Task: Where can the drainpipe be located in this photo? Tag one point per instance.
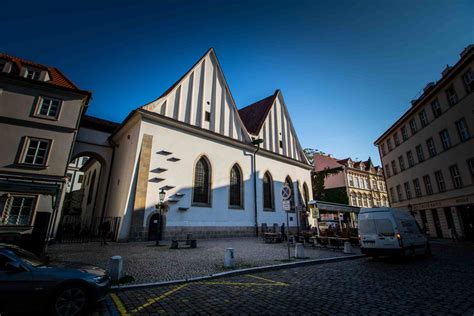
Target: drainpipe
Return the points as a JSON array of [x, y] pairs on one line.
[[255, 142]]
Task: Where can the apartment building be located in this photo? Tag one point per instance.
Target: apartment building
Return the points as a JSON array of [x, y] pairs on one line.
[[357, 183], [40, 111], [428, 153]]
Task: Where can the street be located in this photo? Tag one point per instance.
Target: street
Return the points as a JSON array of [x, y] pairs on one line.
[[441, 284]]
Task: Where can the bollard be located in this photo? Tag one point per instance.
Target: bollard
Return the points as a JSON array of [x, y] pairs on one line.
[[116, 268], [299, 251], [347, 247], [229, 258]]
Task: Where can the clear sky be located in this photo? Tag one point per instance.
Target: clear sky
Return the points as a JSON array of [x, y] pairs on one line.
[[347, 69]]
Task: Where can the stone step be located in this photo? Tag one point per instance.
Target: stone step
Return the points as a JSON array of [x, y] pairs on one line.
[[159, 170], [164, 153], [173, 159]]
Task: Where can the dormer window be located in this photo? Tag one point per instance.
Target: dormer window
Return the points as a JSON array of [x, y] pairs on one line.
[[31, 73], [48, 107]]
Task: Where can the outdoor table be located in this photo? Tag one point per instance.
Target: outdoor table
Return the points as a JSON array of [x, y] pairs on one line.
[[336, 242], [272, 237], [354, 241]]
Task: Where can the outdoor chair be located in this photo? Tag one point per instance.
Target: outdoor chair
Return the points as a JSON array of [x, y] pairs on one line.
[[276, 228]]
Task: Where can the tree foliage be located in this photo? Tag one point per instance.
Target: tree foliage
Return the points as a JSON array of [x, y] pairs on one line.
[[310, 152], [317, 181]]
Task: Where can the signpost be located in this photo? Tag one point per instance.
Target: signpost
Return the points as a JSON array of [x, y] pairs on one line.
[[286, 195]]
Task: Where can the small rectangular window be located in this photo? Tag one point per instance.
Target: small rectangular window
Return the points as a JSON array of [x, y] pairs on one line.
[[431, 147], [281, 144], [399, 193], [17, 210], [445, 139], [389, 144], [436, 108], [468, 79], [420, 154], [411, 161], [440, 181], [392, 195], [455, 176], [407, 190], [35, 151], [32, 74], [470, 164], [413, 126], [387, 171], [80, 179], [452, 96], [423, 118], [428, 186], [401, 162], [404, 133], [463, 132], [396, 139], [394, 167], [48, 107], [416, 185], [207, 116]]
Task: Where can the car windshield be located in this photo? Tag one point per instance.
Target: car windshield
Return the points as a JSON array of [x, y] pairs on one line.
[[28, 257]]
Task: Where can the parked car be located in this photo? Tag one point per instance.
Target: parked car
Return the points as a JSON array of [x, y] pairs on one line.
[[390, 232], [28, 283]]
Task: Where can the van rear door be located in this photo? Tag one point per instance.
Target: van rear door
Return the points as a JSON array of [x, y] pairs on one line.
[[377, 230]]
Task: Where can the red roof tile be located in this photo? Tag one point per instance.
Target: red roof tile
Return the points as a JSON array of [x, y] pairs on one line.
[[255, 114], [56, 77], [322, 162]]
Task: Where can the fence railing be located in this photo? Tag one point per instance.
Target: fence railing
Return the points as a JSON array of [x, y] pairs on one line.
[[80, 229]]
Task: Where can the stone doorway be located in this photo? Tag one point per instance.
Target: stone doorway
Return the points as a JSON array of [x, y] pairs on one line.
[[155, 227]]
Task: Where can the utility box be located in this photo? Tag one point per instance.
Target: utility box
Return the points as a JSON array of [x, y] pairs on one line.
[[229, 258], [116, 268]]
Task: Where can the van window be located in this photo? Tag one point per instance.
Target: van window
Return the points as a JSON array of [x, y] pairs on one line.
[[384, 227], [366, 226], [410, 227]]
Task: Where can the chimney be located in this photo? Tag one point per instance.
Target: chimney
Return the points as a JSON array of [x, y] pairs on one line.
[[446, 70], [428, 86], [466, 49]]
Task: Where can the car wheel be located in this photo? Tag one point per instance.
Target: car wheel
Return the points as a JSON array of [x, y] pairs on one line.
[[70, 300]]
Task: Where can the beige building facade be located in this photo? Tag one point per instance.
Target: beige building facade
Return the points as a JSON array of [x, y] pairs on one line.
[[428, 154], [360, 182], [40, 111]]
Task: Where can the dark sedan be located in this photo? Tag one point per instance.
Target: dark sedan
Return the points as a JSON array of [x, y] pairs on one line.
[[28, 283]]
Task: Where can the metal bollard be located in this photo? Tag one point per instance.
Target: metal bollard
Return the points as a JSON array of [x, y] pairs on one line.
[[347, 247], [116, 268], [229, 258], [299, 251]]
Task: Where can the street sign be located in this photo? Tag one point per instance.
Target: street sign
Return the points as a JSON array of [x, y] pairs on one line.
[[286, 192], [286, 205]]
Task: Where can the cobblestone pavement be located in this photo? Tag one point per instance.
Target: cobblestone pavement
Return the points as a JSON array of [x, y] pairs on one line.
[[441, 284], [147, 263]]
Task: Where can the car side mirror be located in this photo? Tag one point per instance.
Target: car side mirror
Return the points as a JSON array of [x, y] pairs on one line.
[[14, 266]]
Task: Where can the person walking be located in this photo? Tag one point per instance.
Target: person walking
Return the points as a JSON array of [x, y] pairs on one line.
[[104, 232]]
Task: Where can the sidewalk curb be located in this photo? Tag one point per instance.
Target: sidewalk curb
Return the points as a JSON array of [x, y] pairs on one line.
[[239, 271]]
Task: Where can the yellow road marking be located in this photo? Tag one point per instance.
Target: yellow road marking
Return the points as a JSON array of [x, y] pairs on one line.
[[152, 301], [268, 280], [244, 283], [118, 304]]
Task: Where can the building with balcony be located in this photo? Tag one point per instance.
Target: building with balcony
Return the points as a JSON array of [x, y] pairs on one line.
[[428, 153], [357, 183]]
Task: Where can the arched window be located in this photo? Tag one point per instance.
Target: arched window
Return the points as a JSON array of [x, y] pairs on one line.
[[359, 199], [202, 182], [289, 183], [354, 199], [235, 187], [268, 192]]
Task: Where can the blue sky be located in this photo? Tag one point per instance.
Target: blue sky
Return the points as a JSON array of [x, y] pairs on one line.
[[347, 69]]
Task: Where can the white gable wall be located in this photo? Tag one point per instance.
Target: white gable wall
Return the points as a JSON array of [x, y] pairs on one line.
[[202, 89]]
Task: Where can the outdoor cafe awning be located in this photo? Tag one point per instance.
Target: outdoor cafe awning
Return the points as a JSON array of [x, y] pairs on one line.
[[335, 207]]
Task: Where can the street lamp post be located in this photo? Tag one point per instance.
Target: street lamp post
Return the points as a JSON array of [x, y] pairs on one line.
[[257, 142], [161, 195]]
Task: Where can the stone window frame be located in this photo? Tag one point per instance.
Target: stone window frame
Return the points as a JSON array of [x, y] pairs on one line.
[[237, 167], [26, 146], [7, 205], [39, 104]]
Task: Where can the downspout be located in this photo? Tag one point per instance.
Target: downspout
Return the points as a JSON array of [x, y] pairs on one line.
[[255, 189]]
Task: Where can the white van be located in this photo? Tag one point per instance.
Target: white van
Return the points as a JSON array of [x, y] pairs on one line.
[[389, 231]]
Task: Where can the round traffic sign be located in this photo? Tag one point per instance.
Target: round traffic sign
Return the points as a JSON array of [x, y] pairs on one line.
[[286, 192]]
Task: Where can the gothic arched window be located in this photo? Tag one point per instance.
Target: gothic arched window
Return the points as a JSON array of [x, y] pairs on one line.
[[235, 187], [268, 192], [202, 182]]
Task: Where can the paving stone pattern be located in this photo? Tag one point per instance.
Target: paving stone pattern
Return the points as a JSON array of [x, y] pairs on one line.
[[440, 285], [147, 263]]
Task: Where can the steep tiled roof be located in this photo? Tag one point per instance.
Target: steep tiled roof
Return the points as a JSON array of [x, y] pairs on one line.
[[322, 162], [57, 78], [253, 116]]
